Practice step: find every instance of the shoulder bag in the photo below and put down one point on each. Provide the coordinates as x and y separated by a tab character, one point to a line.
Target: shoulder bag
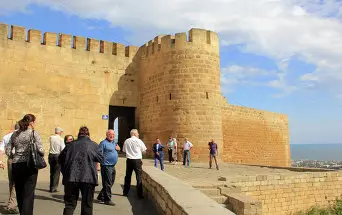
35	160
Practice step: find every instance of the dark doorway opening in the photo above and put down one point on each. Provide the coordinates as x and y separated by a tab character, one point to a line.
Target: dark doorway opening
125	117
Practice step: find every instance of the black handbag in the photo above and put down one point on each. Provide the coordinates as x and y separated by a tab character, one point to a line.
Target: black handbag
35	160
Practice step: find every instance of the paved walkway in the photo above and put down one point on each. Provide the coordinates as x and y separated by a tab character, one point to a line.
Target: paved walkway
199	174
52	204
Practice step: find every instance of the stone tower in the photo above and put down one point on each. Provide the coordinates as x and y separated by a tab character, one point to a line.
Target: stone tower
180	90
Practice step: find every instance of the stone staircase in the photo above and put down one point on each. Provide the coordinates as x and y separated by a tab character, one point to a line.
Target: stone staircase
233	200
215	194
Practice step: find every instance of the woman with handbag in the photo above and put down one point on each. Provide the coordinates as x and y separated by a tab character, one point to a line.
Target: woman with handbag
28	150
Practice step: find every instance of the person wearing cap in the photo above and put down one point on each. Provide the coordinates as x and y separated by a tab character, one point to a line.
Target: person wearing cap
56	146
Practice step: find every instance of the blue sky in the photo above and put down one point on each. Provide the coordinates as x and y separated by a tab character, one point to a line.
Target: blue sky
277	55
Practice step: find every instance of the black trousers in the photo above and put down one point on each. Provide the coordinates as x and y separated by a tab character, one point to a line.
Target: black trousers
136	165
108	178
55	171
170	155
25	180
71	192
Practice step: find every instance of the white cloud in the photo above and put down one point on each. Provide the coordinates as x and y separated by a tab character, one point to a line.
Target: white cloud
10	6
279	29
234	75
281	84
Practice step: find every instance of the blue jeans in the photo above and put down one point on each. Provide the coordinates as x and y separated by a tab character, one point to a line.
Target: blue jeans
186	157
159	158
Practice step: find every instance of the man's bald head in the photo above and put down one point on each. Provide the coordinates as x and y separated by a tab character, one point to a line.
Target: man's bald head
110	135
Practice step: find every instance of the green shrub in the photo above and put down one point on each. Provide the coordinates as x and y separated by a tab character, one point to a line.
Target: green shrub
335	209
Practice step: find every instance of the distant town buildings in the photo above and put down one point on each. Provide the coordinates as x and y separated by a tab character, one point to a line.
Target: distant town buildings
317	164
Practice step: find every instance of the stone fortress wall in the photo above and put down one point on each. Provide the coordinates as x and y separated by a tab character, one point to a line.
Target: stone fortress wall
173	81
65	81
254	136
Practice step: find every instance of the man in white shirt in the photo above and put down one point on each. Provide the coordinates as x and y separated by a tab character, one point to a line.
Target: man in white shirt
186	151
133	147
12	202
56	146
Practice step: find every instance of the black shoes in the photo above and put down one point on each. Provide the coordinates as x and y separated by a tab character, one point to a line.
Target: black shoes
100	199
109	203
216	168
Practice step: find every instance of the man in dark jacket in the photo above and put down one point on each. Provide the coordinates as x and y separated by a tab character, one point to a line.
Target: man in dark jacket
158	154
78	166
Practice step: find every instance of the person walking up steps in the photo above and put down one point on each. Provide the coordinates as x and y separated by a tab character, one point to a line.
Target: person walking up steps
133	147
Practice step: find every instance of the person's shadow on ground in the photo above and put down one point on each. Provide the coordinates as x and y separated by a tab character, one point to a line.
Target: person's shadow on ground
140	206
55	198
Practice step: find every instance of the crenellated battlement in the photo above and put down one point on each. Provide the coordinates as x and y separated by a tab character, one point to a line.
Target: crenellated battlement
162	43
32	36
196	37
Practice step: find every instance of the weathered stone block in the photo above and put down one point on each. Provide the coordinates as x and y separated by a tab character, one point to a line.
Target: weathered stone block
34	36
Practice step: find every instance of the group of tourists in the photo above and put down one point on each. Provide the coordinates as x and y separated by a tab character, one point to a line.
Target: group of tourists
77	161
172	148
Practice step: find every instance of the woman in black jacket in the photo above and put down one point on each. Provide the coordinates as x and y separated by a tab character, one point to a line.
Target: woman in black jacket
78	166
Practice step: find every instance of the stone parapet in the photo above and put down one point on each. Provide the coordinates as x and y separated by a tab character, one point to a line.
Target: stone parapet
288	194
240	203
196	37
172	196
18	33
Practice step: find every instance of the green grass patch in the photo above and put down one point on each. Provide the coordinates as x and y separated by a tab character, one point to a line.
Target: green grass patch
335	209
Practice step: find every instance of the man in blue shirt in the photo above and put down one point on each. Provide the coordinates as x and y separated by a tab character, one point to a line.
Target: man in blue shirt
108	148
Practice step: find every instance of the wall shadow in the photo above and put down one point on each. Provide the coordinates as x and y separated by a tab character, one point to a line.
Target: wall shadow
140	206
